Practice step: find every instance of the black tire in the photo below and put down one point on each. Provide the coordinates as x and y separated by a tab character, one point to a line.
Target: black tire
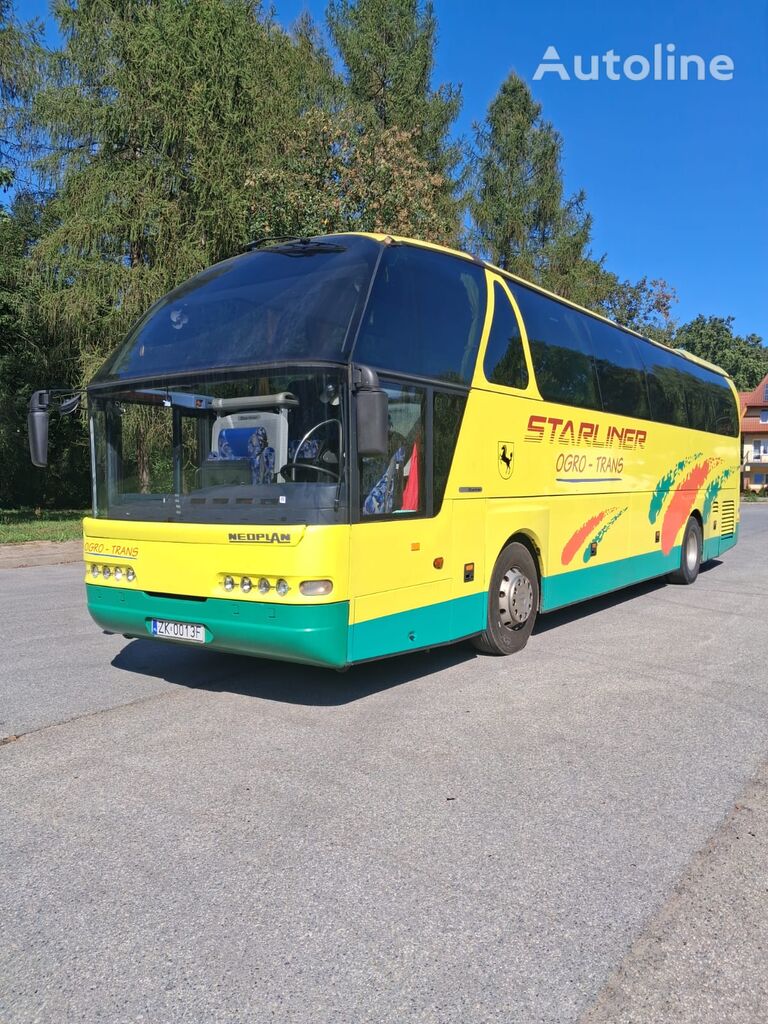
514	591
690	554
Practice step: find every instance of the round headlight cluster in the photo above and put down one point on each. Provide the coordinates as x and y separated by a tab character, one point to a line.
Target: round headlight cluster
118	573
263	585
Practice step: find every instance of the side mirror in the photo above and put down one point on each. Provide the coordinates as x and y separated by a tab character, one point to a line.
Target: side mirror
372	414
37	425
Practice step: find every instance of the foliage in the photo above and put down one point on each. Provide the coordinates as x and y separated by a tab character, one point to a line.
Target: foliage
20	53
712	338
388	51
516	203
31	358
162	136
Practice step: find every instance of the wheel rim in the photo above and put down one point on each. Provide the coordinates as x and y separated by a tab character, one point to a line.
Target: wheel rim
691	551
515	599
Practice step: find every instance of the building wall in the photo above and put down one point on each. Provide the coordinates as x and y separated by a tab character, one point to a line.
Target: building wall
755	456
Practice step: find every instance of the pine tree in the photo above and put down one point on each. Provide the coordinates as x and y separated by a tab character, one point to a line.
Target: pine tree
520	219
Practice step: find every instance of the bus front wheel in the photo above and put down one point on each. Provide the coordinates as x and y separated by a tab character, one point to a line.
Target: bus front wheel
690	554
513	601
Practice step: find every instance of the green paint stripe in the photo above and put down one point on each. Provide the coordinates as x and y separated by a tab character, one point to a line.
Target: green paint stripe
581	584
321	634
419	627
315	635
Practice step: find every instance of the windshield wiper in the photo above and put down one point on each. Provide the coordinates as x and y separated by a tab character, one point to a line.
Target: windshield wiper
293	246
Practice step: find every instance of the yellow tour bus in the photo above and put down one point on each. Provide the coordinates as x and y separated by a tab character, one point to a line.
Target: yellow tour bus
332	449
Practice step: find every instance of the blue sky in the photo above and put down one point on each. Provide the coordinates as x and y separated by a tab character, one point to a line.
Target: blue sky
675	172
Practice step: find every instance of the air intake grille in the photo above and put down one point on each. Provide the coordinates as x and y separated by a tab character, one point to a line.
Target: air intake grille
728	519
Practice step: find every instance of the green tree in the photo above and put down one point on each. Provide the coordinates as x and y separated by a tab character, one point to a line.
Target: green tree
713	338
388	51
162	121
521	219
31	358
19	56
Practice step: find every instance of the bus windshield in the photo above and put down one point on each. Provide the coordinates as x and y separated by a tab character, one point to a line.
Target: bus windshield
262	448
299	300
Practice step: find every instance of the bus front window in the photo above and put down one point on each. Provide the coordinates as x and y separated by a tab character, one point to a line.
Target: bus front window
263	449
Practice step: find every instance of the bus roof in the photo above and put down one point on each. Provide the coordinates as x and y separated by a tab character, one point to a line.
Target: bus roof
437	247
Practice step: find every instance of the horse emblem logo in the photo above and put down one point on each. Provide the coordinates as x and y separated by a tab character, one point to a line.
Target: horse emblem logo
506	461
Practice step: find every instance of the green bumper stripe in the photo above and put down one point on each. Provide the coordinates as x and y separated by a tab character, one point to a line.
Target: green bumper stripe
581	584
420	627
312	634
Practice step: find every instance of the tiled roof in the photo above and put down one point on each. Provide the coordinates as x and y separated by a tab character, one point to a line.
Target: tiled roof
754	401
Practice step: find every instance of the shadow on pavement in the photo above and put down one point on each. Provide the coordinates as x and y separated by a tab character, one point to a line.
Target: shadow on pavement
318	687
281	681
584	609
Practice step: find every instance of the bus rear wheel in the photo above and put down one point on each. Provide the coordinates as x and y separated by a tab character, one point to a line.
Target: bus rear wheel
690	554
513	601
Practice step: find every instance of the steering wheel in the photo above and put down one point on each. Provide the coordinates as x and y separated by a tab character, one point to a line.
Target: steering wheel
291	467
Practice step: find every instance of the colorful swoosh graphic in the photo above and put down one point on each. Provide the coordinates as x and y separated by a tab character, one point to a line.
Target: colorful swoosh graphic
665	484
573	545
712	491
602	532
682	502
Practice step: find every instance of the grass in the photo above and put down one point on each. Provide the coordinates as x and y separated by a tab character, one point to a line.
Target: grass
24	524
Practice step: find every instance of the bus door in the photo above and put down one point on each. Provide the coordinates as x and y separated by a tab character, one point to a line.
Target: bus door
400	564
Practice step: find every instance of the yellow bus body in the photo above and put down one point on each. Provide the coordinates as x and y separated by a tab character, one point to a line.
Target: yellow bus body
400	585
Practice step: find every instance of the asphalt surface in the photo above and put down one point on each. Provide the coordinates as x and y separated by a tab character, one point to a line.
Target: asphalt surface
578	832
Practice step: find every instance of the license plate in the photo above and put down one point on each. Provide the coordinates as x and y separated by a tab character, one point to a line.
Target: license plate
169	630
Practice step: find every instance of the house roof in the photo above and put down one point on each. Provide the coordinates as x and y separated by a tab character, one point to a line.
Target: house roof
750	405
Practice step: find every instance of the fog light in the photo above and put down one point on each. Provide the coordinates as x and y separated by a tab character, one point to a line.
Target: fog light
118	573
282	587
130	575
95	570
245	584
106	572
264	586
229	583
315	588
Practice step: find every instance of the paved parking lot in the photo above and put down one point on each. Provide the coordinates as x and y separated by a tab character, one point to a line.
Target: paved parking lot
577	832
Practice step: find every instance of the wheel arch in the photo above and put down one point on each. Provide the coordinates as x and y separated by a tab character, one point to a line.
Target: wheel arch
530	541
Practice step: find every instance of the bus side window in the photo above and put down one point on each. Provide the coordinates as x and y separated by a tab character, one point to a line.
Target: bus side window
394	484
561	350
620	370
666	386
504	361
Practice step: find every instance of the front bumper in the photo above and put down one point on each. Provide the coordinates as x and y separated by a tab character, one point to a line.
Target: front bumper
309	634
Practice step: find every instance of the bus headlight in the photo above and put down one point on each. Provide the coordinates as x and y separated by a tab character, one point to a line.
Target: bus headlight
118	573
282	587
245	584
264	586
106	572
130	575
315	588
229	583
95	570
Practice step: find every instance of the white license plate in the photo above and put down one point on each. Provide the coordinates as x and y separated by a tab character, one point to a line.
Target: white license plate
169	630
